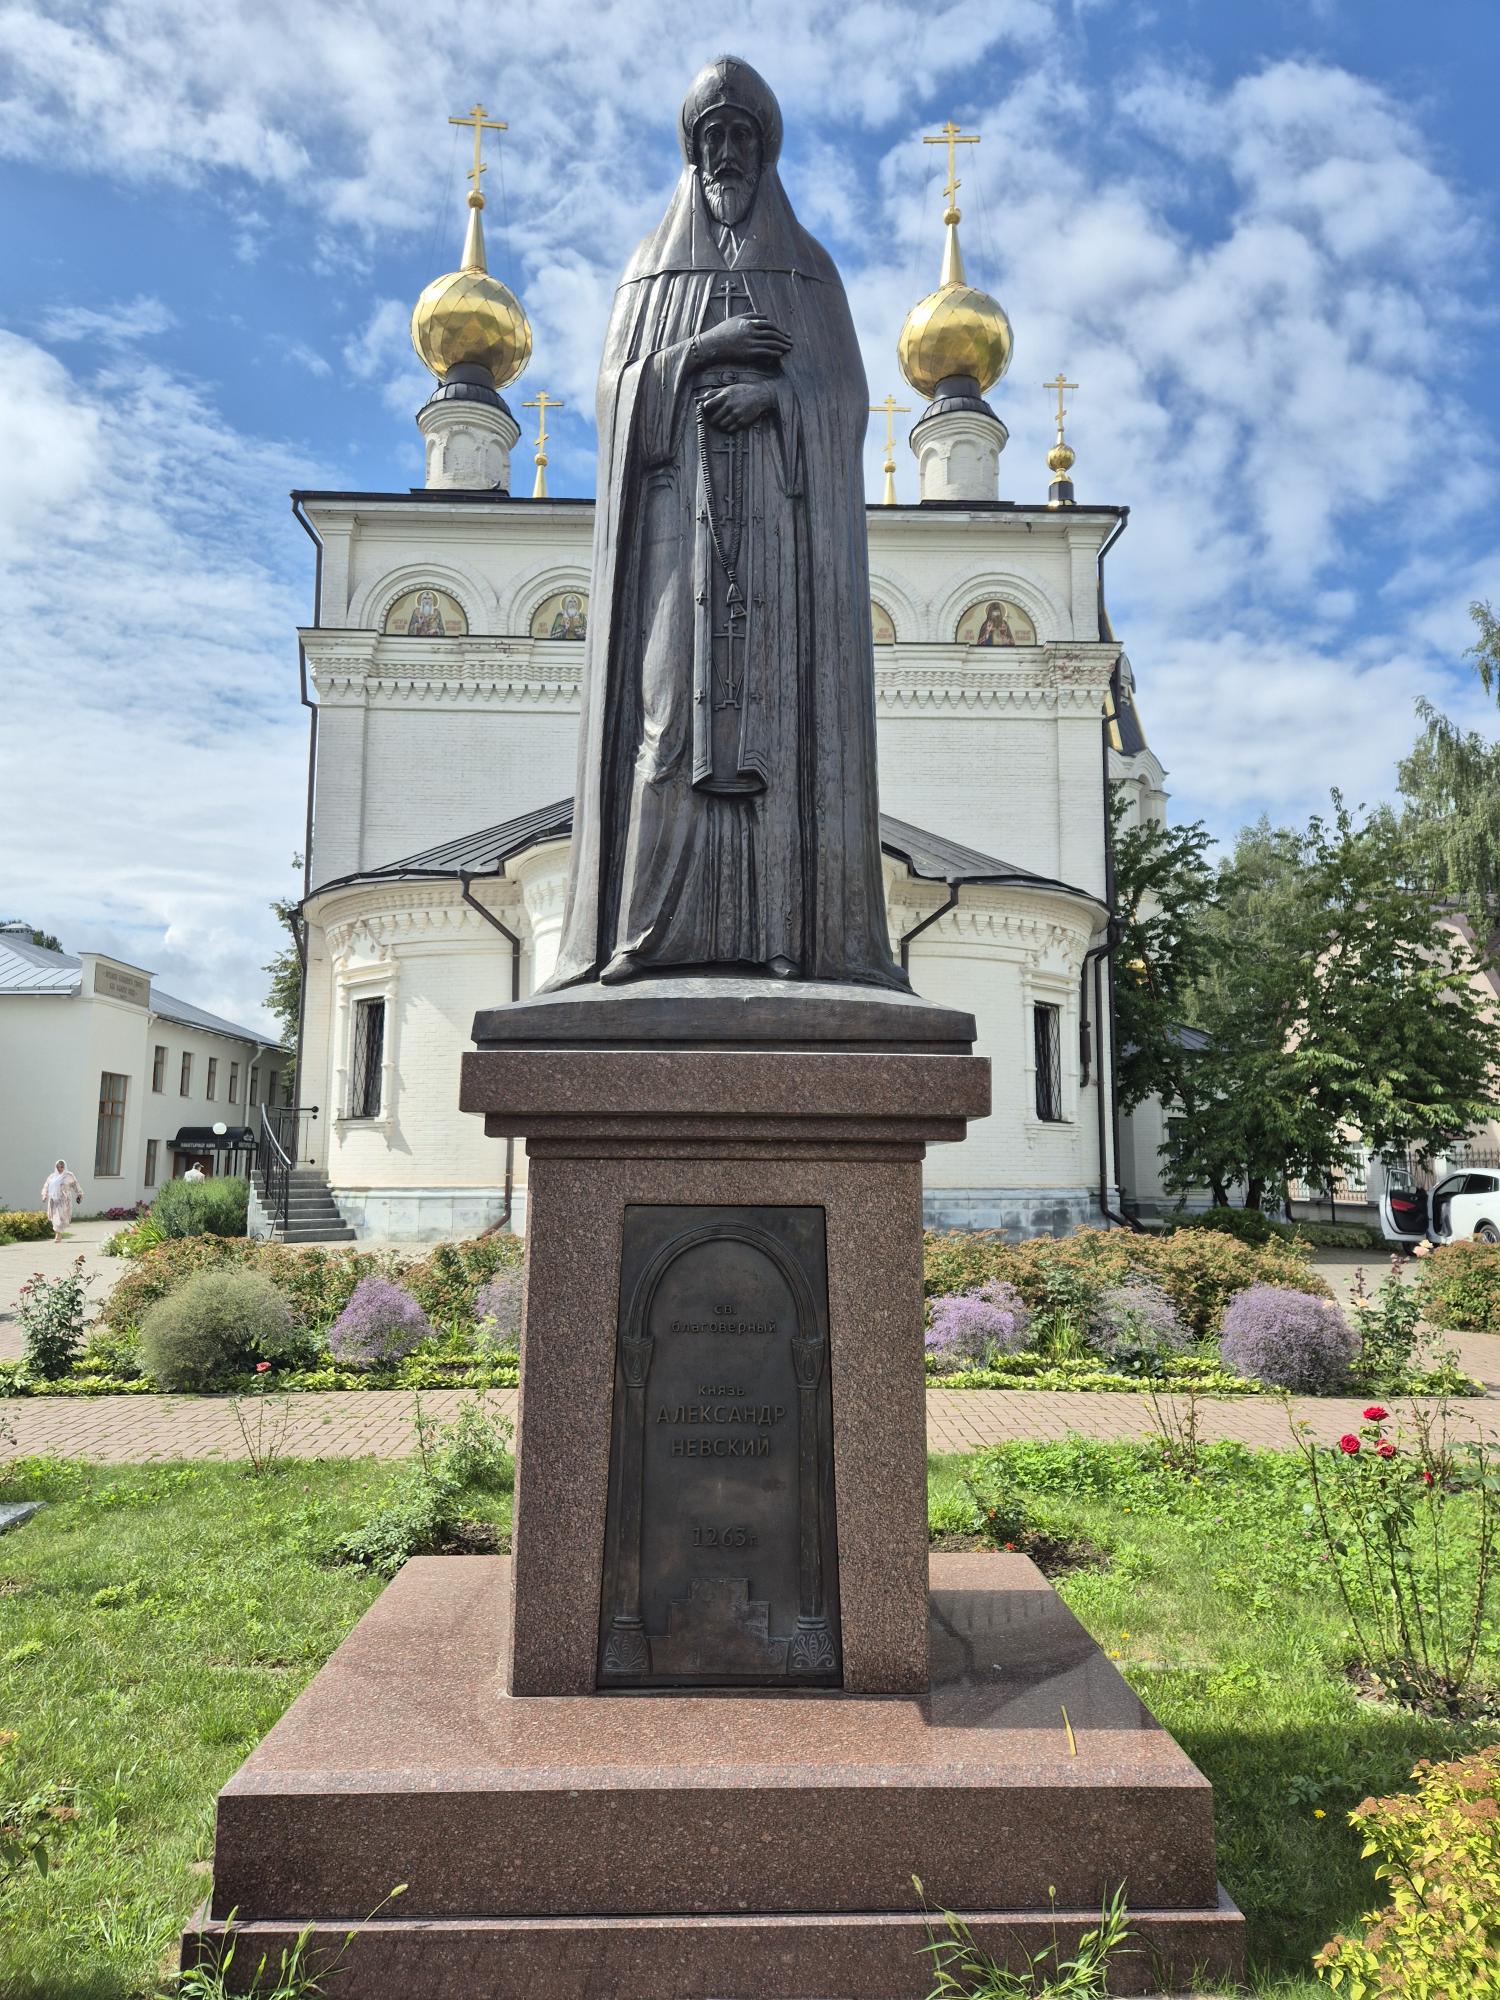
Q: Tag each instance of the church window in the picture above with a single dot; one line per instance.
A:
(185, 1081)
(426, 613)
(213, 1078)
(159, 1069)
(1046, 1028)
(151, 1145)
(995, 621)
(565, 616)
(111, 1125)
(369, 1052)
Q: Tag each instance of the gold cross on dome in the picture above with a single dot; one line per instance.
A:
(891, 410)
(481, 125)
(951, 137)
(1059, 385)
(541, 402)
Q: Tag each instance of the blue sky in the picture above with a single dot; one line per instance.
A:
(1262, 238)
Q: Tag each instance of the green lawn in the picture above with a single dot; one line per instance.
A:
(155, 1621)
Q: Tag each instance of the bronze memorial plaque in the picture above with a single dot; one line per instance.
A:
(720, 1559)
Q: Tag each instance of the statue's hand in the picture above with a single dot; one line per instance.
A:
(750, 338)
(738, 405)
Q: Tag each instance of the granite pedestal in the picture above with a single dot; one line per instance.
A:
(749, 1846)
(749, 1112)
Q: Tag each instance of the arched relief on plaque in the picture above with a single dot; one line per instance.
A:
(721, 1565)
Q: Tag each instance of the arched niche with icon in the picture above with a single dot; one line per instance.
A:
(565, 615)
(882, 625)
(426, 613)
(995, 621)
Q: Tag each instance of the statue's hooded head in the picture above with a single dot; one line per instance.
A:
(730, 129)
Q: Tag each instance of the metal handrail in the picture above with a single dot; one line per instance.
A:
(273, 1165)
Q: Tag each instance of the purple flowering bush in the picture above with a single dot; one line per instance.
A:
(1292, 1340)
(381, 1324)
(968, 1327)
(497, 1308)
(1139, 1313)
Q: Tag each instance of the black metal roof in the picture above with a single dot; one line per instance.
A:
(929, 857)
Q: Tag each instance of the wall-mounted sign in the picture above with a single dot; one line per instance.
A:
(112, 984)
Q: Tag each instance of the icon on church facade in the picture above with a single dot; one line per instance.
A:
(995, 621)
(426, 614)
(881, 626)
(565, 616)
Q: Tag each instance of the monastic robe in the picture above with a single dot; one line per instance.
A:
(726, 809)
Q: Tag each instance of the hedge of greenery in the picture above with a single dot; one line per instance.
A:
(24, 1225)
(1199, 1270)
(1459, 1287)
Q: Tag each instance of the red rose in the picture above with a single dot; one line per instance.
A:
(261, 1367)
(1374, 1415)
(1426, 1477)
(1349, 1442)
(1385, 1449)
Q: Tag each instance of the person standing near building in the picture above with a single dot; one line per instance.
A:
(195, 1172)
(59, 1192)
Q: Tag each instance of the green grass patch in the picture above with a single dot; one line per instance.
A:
(154, 1623)
(1219, 1610)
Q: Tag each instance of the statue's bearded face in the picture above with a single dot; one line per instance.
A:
(728, 151)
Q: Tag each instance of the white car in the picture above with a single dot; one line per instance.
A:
(1465, 1206)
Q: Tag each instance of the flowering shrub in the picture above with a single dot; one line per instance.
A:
(1386, 1326)
(1139, 1314)
(381, 1324)
(1199, 1270)
(968, 1327)
(1439, 1852)
(1248, 1225)
(24, 1225)
(497, 1308)
(213, 1326)
(51, 1315)
(1458, 1289)
(135, 1210)
(1409, 1524)
(1292, 1340)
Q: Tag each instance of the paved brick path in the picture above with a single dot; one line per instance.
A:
(354, 1423)
(351, 1424)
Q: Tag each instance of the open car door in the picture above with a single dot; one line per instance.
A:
(1403, 1208)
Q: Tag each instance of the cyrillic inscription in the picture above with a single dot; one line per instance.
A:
(720, 1554)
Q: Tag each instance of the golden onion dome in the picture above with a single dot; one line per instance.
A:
(1062, 458)
(956, 330)
(469, 318)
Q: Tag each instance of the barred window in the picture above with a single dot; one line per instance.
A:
(111, 1124)
(1046, 1025)
(369, 1052)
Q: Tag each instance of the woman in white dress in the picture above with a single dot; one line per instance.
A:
(59, 1192)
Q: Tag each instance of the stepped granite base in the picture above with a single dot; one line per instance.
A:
(741, 1845)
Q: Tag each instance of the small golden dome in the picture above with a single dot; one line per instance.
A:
(468, 317)
(1061, 459)
(955, 330)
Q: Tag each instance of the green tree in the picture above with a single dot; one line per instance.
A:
(1335, 1005)
(1450, 783)
(44, 939)
(1164, 890)
(284, 995)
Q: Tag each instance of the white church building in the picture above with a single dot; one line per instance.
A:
(446, 652)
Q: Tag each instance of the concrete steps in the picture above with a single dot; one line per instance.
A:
(312, 1214)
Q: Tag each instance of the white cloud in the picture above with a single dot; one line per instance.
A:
(152, 786)
(108, 326)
